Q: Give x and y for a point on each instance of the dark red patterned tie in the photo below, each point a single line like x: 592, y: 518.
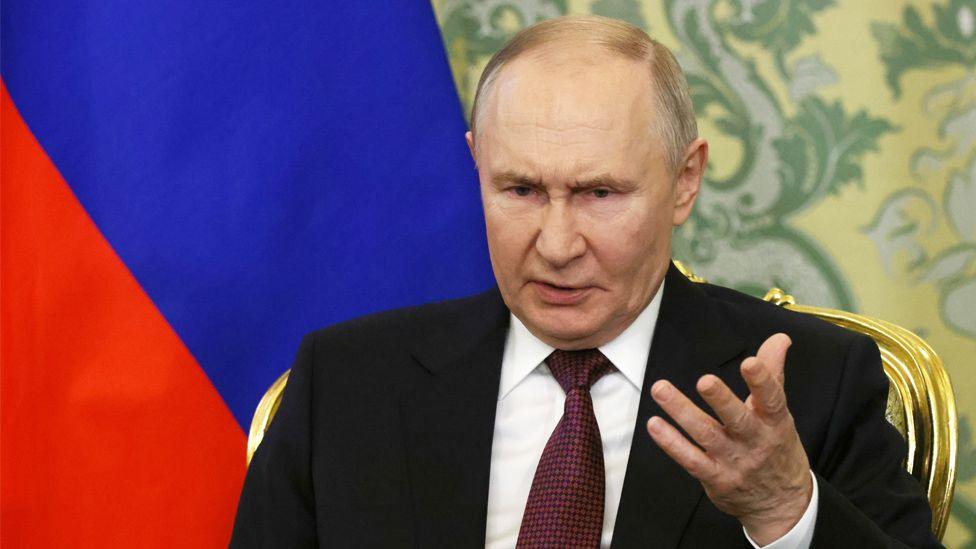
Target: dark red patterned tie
x: 565, y: 506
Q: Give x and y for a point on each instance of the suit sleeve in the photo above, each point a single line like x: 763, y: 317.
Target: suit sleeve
x: 277, y: 504
x: 867, y: 499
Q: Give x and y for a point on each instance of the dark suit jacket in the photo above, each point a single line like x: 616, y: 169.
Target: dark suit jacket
x: 383, y: 437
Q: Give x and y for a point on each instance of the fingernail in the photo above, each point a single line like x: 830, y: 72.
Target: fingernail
x: 661, y: 390
x: 654, y: 424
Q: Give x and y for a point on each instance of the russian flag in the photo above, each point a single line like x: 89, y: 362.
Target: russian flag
x: 187, y: 188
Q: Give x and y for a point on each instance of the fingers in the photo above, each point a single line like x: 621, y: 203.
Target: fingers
x: 681, y: 450
x: 768, y: 397
x: 773, y: 353
x: 733, y: 413
x: 700, y: 426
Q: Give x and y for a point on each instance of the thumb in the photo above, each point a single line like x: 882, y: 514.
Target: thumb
x: 772, y: 353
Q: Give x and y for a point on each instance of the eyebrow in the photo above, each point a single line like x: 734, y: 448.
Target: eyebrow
x: 515, y: 178
x: 602, y: 180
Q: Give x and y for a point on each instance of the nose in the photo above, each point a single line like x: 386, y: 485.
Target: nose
x: 559, y: 241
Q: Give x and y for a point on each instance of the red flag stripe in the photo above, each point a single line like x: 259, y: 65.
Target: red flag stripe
x: 112, y: 436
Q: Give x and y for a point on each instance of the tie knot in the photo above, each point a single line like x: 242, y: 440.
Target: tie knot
x: 578, y: 369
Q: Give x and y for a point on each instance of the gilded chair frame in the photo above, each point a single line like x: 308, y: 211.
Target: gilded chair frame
x: 264, y: 413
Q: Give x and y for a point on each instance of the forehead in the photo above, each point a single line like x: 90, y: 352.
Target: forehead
x: 570, y: 111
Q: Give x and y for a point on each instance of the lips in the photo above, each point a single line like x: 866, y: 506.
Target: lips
x: 560, y: 295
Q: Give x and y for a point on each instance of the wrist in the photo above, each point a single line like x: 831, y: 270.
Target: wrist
x: 772, y: 524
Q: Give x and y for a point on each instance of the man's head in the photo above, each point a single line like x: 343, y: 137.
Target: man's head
x: 588, y: 156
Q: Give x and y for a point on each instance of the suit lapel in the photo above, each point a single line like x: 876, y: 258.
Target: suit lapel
x: 449, y: 421
x: 690, y: 339
x: 449, y: 424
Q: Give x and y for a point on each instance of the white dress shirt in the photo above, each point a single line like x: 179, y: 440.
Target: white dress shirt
x: 530, y: 404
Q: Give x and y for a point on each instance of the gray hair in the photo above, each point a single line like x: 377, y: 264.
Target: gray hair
x: 678, y: 127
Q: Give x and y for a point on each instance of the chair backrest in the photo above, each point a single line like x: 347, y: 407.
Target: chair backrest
x: 920, y: 400
x: 921, y: 404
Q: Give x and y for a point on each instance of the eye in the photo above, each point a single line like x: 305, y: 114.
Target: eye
x: 601, y: 193
x: 521, y: 191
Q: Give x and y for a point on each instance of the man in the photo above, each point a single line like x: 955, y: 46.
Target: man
x: 533, y: 415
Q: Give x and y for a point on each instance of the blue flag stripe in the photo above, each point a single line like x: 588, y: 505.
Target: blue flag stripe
x: 263, y: 169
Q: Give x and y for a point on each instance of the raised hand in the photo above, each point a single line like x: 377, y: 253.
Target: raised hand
x: 751, y: 464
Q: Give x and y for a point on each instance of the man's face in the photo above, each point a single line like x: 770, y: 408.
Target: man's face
x: 579, y: 203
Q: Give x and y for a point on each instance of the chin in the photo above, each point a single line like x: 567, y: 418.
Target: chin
x: 565, y: 331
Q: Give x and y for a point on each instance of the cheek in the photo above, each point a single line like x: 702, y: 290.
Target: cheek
x: 629, y: 245
x: 508, y: 240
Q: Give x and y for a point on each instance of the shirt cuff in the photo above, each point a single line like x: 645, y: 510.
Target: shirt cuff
x: 800, y: 536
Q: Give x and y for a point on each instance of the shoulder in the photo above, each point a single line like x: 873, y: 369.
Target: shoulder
x: 831, y: 372
x: 756, y: 318
x: 379, y: 331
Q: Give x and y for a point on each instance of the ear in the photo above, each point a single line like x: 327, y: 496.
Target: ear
x: 470, y: 139
x: 689, y: 179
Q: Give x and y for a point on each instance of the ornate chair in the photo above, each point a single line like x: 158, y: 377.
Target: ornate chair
x: 920, y: 400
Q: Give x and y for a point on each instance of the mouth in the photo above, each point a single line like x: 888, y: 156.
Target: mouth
x: 560, y: 295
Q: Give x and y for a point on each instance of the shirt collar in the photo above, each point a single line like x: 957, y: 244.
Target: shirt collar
x: 628, y: 352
